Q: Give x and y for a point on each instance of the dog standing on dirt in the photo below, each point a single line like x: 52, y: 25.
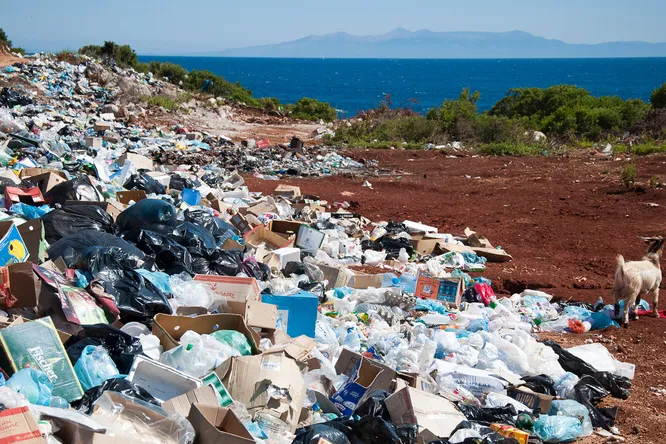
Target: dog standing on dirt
x: 636, y: 278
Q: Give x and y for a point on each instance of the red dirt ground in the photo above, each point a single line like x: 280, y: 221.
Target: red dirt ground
x: 564, y: 219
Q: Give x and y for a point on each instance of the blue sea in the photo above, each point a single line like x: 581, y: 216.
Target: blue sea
x: 352, y: 85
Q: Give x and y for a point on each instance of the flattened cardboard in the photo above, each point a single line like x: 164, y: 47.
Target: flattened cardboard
x: 140, y: 162
x: 12, y: 246
x: 20, y: 287
x: 234, y: 288
x: 336, y: 277
x: 125, y: 197
x: 248, y: 379
x: 18, y: 425
x: 447, y: 290
x: 46, y: 181
x: 181, y: 404
x: 32, y: 233
x: 218, y: 425
x: 262, y: 208
x: 31, y: 172
x: 423, y: 244
x: 256, y: 314
x: 169, y: 329
x: 538, y: 402
x: 432, y: 412
x: 262, y: 235
x: 241, y: 224
x: 296, y: 313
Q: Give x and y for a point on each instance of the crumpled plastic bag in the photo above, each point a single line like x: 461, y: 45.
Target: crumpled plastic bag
x: 555, y: 429
x: 233, y: 339
x: 120, y: 385
x: 573, y: 409
x: 198, y: 354
x: 144, y: 182
x: 94, y: 367
x: 146, y: 212
x: 33, y: 384
x: 75, y: 219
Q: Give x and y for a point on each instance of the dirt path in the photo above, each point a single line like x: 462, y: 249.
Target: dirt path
x: 563, y: 219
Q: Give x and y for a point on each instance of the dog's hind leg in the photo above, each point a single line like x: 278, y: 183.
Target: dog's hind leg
x: 655, y: 301
x: 635, y: 308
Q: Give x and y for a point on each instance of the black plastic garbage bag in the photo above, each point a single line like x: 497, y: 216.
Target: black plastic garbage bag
x: 146, y: 183
x: 317, y: 432
x: 64, y: 221
x: 374, y: 405
x: 170, y: 256
x: 488, y: 435
x: 618, y: 386
x: 70, y: 247
x: 489, y: 415
x: 392, y: 246
x: 138, y: 299
x: 540, y: 384
x: 146, y: 212
x: 80, y: 189
x: 252, y: 268
x: 192, y: 235
x: 179, y: 183
x: 10, y: 98
x: 120, y: 385
x: 590, y: 393
x: 226, y: 262
x: 216, y: 226
x: 121, y: 347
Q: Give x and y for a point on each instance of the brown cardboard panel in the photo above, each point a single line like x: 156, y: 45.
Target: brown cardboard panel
x: 256, y: 314
x: 125, y: 197
x: 217, y: 425
x: 106, y: 206
x: 31, y: 232
x: 19, y: 425
x: 181, y: 404
x: 171, y: 328
x: 140, y: 162
x: 46, y: 181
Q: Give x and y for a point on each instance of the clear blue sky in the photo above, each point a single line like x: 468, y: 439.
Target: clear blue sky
x: 177, y: 27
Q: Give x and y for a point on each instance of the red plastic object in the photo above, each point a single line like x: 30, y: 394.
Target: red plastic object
x: 485, y: 291
x: 263, y: 143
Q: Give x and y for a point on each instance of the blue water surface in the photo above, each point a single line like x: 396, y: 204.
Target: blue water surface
x: 352, y: 85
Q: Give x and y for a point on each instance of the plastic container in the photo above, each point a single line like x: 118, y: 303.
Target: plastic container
x: 135, y: 329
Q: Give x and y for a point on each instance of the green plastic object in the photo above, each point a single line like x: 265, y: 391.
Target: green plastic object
x: 233, y: 339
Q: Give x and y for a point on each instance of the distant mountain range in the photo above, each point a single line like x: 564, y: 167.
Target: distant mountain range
x: 401, y: 43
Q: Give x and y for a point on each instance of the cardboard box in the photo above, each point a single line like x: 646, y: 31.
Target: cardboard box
x: 365, y: 378
x: 32, y: 233
x: 169, y: 329
x: 218, y: 425
x: 424, y: 244
x: 511, y: 432
x: 160, y: 380
x: 19, y: 287
x: 112, y: 210
x: 125, y: 197
x: 37, y: 344
x: 30, y: 196
x: 18, y: 425
x: 241, y: 224
x: 447, y: 290
x: 348, y: 361
x: 181, y: 404
x: 46, y: 181
x: 256, y: 314
x: 140, y: 162
x: 99, y: 438
x: 262, y: 235
x: 248, y: 379
x: 261, y: 208
x: 432, y: 412
x: 538, y: 402
x: 93, y: 142
x: 296, y: 314
x: 30, y: 172
x: 286, y: 228
x: 288, y: 191
x: 102, y: 126
x: 282, y: 256
x: 363, y: 280
x: 233, y: 288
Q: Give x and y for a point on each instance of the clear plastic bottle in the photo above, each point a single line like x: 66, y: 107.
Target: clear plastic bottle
x: 408, y: 283
x: 390, y: 280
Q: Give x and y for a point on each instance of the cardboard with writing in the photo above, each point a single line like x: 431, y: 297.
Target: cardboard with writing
x: 18, y: 425
x: 12, y: 246
x: 218, y: 425
x: 362, y: 380
x: 232, y: 288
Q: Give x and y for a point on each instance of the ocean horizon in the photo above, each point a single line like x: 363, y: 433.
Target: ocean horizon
x: 352, y: 85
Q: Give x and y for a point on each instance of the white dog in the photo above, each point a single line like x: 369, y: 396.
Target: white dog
x: 636, y: 278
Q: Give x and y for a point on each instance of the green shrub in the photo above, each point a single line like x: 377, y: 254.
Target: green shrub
x: 4, y: 38
x: 647, y: 148
x: 628, y: 175
x: 457, y: 117
x: 494, y: 129
x: 174, y: 73
x: 167, y: 102
x: 658, y: 99
x: 313, y: 109
x: 67, y: 56
x: 91, y: 50
x: 512, y: 149
x: 270, y: 104
x: 18, y: 49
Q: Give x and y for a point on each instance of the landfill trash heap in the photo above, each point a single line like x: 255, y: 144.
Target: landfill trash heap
x: 151, y: 303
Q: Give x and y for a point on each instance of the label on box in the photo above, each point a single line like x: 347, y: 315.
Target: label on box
x: 12, y: 248
x: 282, y: 320
x: 221, y: 392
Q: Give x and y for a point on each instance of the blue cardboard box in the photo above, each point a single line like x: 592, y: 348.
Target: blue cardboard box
x: 360, y: 380
x: 297, y: 313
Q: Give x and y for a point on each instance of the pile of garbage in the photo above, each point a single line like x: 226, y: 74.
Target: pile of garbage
x: 153, y: 303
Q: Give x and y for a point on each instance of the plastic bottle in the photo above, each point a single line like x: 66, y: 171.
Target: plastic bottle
x: 390, y: 280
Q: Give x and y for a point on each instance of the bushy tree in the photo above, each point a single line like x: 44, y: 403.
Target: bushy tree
x: 658, y: 99
x: 313, y: 109
x: 4, y: 38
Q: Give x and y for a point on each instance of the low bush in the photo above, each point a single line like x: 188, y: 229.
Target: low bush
x: 628, y: 176
x: 313, y: 109
x: 513, y: 149
x: 658, y: 99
